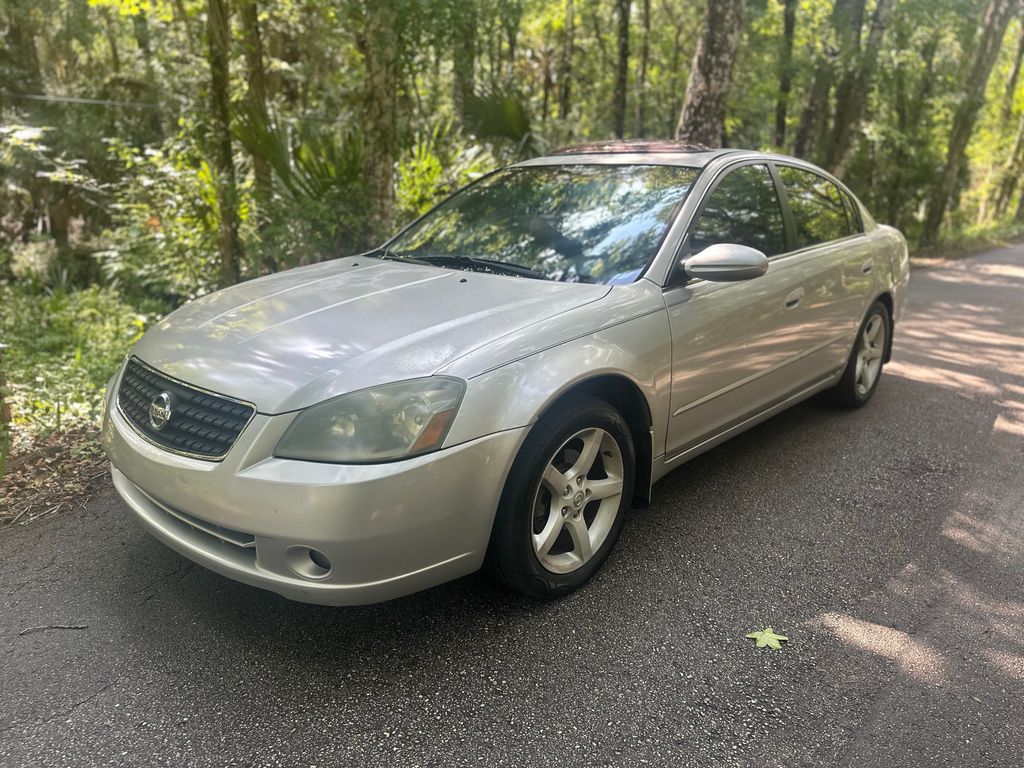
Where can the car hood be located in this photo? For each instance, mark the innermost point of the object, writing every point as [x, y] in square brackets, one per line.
[296, 338]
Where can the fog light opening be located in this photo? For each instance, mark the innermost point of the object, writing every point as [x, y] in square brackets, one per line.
[307, 562]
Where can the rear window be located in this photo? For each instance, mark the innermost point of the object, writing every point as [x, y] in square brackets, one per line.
[856, 225]
[818, 211]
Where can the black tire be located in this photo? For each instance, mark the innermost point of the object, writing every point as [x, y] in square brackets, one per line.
[511, 557]
[848, 392]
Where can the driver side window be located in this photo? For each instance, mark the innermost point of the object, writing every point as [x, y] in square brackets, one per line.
[743, 209]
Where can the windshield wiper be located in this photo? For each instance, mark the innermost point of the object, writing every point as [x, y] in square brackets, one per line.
[469, 262]
[387, 253]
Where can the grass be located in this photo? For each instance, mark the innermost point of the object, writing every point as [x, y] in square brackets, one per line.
[970, 241]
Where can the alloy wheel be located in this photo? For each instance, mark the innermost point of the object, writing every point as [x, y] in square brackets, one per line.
[871, 348]
[577, 500]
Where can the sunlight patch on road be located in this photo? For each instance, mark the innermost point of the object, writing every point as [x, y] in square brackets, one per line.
[913, 657]
[1011, 664]
[942, 377]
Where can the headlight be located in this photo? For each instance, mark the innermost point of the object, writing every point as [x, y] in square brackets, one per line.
[378, 424]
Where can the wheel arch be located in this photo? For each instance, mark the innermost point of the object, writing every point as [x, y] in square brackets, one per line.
[626, 396]
[886, 298]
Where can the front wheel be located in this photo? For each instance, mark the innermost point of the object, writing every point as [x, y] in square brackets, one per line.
[864, 367]
[564, 501]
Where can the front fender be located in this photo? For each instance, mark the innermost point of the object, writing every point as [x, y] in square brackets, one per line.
[516, 394]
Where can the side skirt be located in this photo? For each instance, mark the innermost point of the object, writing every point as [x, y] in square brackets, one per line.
[663, 466]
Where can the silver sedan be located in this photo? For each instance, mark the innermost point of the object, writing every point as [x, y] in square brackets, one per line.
[498, 384]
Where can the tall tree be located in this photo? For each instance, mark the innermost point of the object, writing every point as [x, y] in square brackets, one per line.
[990, 38]
[911, 114]
[838, 52]
[852, 94]
[565, 65]
[379, 43]
[1011, 84]
[464, 56]
[256, 100]
[702, 119]
[621, 70]
[785, 70]
[640, 127]
[1010, 174]
[228, 245]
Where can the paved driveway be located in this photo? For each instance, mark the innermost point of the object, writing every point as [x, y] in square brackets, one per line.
[887, 544]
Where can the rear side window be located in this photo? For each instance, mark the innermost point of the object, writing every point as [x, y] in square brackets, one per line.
[856, 225]
[818, 211]
[743, 209]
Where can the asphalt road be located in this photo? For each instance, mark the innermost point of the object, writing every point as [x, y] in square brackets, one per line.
[888, 544]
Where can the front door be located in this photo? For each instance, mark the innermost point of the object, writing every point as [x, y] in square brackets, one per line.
[730, 341]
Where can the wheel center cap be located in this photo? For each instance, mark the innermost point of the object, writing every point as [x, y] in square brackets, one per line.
[577, 500]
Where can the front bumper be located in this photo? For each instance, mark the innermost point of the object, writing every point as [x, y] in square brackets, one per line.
[387, 529]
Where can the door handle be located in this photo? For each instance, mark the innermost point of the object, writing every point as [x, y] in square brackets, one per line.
[867, 266]
[793, 300]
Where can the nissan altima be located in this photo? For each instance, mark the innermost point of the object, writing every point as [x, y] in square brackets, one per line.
[502, 381]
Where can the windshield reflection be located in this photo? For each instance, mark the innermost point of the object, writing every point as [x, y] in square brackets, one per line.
[573, 223]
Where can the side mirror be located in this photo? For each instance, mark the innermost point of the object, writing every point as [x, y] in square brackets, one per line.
[726, 263]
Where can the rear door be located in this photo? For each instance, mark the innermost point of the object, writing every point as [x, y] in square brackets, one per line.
[834, 263]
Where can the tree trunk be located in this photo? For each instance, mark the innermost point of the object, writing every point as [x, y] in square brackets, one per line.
[640, 123]
[111, 32]
[511, 20]
[785, 70]
[910, 116]
[228, 244]
[1009, 178]
[702, 118]
[1011, 84]
[464, 58]
[565, 69]
[676, 101]
[990, 39]
[838, 53]
[140, 28]
[814, 116]
[379, 44]
[181, 15]
[621, 70]
[852, 96]
[256, 97]
[597, 27]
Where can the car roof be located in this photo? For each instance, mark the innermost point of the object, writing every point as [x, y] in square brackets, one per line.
[639, 151]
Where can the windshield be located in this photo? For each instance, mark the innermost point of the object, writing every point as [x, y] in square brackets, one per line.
[575, 223]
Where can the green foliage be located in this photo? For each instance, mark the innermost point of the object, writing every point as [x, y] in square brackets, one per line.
[501, 119]
[437, 165]
[63, 347]
[162, 242]
[112, 190]
[317, 204]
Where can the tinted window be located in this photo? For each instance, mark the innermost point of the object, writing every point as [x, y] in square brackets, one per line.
[818, 211]
[742, 209]
[852, 212]
[577, 223]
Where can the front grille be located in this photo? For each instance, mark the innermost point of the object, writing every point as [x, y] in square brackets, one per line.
[201, 424]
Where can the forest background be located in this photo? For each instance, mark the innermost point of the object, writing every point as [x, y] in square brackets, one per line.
[152, 151]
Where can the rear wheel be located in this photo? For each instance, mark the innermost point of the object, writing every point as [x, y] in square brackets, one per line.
[564, 501]
[864, 367]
